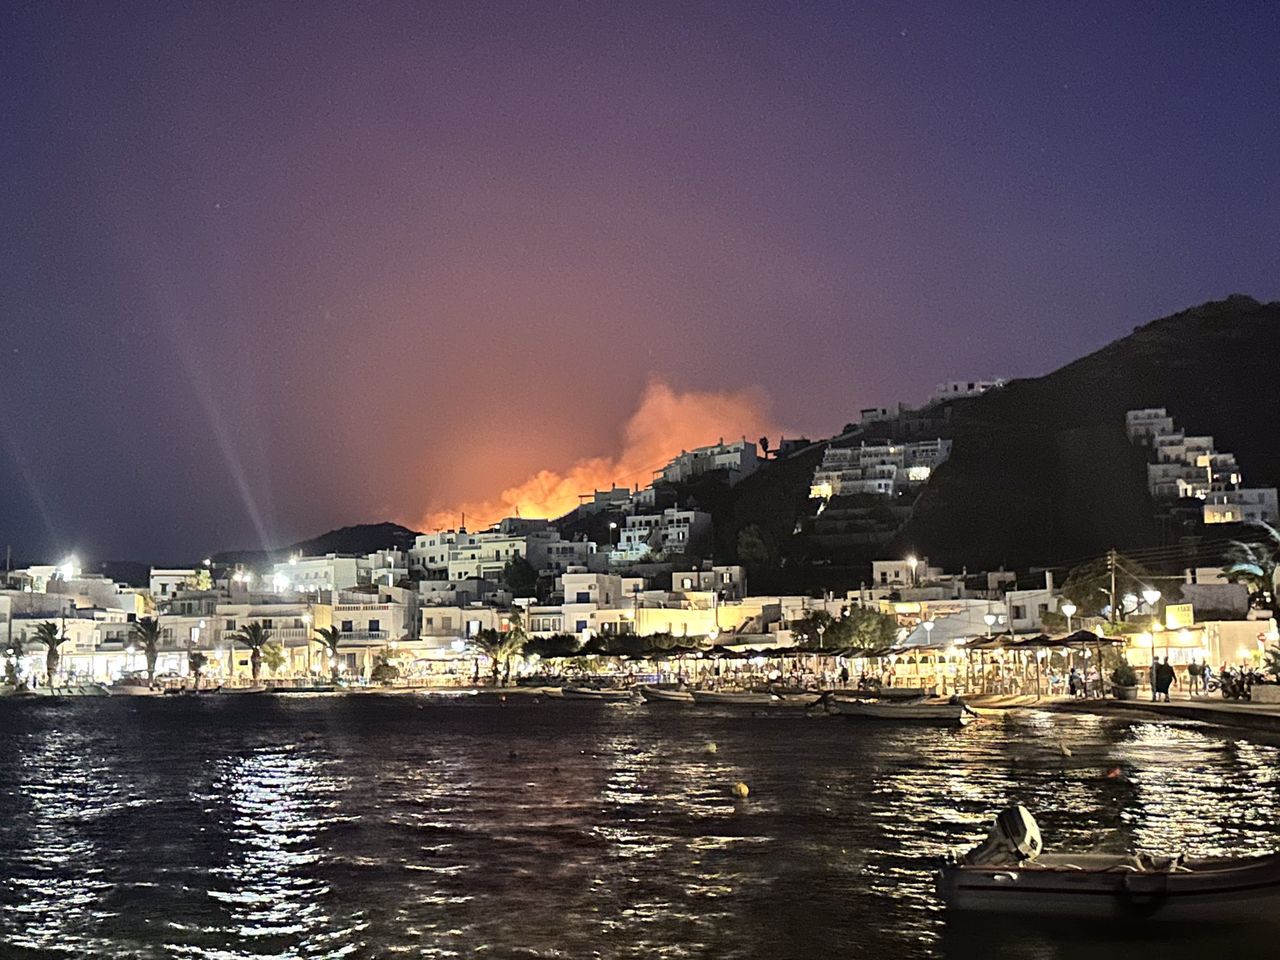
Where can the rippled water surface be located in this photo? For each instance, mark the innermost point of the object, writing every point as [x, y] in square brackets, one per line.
[371, 826]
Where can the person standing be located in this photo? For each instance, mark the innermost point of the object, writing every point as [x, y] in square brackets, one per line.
[1154, 677]
[1165, 678]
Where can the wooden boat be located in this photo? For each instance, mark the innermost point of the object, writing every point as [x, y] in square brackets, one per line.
[260, 688]
[1007, 874]
[66, 690]
[946, 712]
[595, 693]
[742, 698]
[887, 694]
[134, 687]
[665, 695]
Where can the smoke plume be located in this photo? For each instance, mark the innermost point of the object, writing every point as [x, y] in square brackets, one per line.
[665, 423]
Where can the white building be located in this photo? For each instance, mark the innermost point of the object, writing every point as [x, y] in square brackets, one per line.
[881, 468]
[959, 389]
[907, 572]
[1186, 467]
[166, 582]
[727, 582]
[737, 460]
[669, 532]
[1241, 505]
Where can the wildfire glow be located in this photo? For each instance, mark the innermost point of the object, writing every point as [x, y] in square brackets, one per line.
[665, 423]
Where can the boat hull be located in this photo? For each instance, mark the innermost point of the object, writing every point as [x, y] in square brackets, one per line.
[945, 714]
[725, 698]
[1242, 891]
[587, 693]
[658, 695]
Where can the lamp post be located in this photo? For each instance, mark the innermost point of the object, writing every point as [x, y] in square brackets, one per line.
[1068, 610]
[612, 527]
[912, 562]
[990, 620]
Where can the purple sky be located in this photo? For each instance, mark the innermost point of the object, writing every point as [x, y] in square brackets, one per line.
[271, 268]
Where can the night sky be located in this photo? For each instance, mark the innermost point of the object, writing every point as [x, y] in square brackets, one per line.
[271, 268]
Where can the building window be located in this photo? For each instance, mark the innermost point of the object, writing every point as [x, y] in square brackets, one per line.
[347, 626]
[231, 625]
[582, 625]
[583, 597]
[375, 626]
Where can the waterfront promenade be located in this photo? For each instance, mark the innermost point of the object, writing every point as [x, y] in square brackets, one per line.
[1255, 716]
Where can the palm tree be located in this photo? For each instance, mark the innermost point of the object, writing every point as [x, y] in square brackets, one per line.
[329, 638]
[47, 633]
[146, 634]
[254, 636]
[498, 647]
[195, 663]
[1256, 566]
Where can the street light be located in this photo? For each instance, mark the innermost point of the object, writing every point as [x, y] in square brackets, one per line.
[928, 629]
[612, 527]
[1068, 610]
[912, 561]
[990, 620]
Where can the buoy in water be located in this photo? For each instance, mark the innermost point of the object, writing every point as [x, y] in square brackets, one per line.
[741, 790]
[710, 747]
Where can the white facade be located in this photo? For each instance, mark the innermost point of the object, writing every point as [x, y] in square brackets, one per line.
[882, 468]
[903, 573]
[165, 583]
[669, 532]
[958, 389]
[738, 459]
[1241, 505]
[1189, 467]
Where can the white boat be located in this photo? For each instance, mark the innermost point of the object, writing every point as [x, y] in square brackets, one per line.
[595, 693]
[887, 694]
[948, 712]
[66, 690]
[134, 687]
[665, 695]
[1007, 874]
[749, 698]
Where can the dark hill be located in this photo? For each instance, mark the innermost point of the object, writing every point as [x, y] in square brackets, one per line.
[1042, 471]
[360, 539]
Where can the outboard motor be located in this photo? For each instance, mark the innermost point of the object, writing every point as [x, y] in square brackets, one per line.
[1014, 838]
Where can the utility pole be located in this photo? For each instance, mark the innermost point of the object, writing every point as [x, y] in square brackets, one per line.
[1111, 567]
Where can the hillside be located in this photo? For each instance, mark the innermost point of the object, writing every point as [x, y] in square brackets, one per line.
[359, 539]
[1042, 470]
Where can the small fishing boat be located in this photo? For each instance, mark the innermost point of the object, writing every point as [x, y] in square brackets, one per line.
[1008, 874]
[260, 688]
[741, 698]
[134, 686]
[67, 690]
[887, 694]
[595, 693]
[665, 695]
[945, 712]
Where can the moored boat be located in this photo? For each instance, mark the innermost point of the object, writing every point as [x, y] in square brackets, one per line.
[595, 693]
[1008, 874]
[134, 686]
[68, 690]
[947, 712]
[748, 698]
[652, 694]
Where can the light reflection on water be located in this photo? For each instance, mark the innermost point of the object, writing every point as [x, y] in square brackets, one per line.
[252, 828]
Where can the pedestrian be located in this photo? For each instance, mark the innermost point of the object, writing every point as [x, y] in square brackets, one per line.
[1165, 677]
[1074, 683]
[1195, 677]
[1154, 678]
[844, 675]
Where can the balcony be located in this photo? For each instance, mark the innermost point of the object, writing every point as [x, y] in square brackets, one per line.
[365, 636]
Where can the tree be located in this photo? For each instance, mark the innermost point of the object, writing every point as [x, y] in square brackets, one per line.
[47, 633]
[254, 636]
[1256, 565]
[498, 647]
[329, 638]
[1088, 585]
[273, 656]
[520, 577]
[753, 548]
[196, 662]
[146, 634]
[384, 670]
[856, 629]
[554, 647]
